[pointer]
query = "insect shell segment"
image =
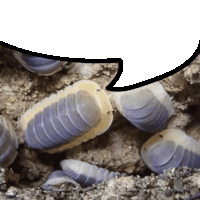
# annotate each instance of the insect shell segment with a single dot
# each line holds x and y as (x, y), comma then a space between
(86, 174)
(39, 65)
(8, 143)
(56, 180)
(66, 119)
(171, 148)
(148, 107)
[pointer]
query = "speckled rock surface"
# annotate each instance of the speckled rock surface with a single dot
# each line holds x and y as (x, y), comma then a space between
(117, 149)
(174, 183)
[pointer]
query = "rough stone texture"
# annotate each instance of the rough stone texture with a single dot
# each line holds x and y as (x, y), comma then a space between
(184, 88)
(150, 187)
(117, 149)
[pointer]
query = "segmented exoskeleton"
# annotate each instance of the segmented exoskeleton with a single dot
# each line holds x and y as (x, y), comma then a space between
(39, 65)
(148, 107)
(66, 119)
(8, 143)
(171, 148)
(86, 174)
(56, 179)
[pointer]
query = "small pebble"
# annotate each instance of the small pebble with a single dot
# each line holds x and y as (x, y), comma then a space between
(194, 191)
(178, 185)
(12, 192)
(173, 170)
(168, 193)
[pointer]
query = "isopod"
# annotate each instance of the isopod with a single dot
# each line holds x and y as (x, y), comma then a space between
(148, 107)
(171, 148)
(56, 179)
(66, 119)
(86, 174)
(39, 65)
(8, 143)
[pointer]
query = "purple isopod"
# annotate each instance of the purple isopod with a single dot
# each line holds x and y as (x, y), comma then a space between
(86, 174)
(171, 148)
(39, 65)
(148, 107)
(56, 179)
(8, 143)
(74, 115)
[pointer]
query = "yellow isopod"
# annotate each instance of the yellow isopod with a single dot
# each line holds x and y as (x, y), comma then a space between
(74, 115)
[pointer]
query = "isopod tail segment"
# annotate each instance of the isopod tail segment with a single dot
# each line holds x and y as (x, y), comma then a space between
(8, 143)
(79, 112)
(148, 107)
(171, 148)
(41, 66)
(56, 179)
(86, 174)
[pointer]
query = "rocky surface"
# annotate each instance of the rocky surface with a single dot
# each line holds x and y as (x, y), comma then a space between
(180, 184)
(117, 149)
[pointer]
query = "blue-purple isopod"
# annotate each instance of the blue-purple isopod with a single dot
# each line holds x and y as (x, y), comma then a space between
(72, 116)
(86, 174)
(171, 148)
(148, 107)
(56, 179)
(8, 143)
(39, 65)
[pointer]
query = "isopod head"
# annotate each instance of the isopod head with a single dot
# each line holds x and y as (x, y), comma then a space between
(39, 65)
(8, 143)
(171, 148)
(148, 107)
(66, 119)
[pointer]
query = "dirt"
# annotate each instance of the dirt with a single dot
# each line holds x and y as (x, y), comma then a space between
(118, 149)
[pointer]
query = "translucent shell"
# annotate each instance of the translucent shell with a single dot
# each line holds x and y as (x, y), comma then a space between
(8, 143)
(148, 107)
(56, 179)
(86, 174)
(39, 65)
(171, 148)
(66, 119)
